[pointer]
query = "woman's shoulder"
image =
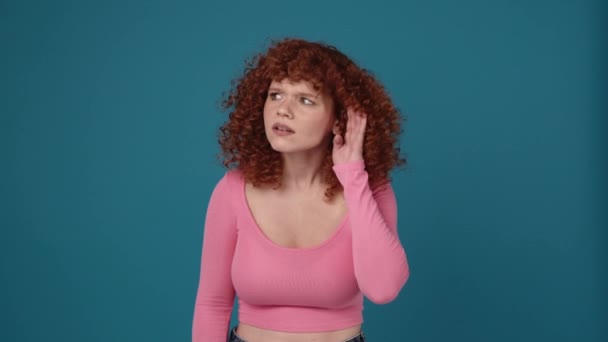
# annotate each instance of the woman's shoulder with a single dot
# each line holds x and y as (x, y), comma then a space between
(232, 178)
(228, 188)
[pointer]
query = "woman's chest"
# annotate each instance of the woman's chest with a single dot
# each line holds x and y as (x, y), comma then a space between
(295, 221)
(294, 250)
(322, 276)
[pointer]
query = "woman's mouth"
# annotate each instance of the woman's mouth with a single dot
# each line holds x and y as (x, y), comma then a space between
(281, 129)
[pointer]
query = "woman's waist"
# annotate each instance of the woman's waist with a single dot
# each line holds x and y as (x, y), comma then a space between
(298, 318)
(252, 333)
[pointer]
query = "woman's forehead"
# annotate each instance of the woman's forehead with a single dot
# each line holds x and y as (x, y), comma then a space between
(302, 87)
(299, 85)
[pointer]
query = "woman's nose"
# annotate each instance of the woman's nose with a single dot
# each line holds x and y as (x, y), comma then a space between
(284, 109)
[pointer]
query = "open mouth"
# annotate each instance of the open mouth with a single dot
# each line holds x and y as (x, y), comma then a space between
(277, 127)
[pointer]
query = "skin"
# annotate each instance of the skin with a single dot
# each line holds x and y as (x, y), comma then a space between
(310, 114)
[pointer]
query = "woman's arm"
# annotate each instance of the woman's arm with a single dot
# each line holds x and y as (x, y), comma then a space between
(215, 296)
(380, 262)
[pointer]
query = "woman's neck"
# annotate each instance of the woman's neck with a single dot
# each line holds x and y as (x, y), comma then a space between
(302, 171)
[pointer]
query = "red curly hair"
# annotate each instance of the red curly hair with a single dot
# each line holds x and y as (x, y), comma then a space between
(243, 139)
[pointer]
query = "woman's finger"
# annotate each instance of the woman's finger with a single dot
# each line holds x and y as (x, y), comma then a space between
(361, 124)
(349, 126)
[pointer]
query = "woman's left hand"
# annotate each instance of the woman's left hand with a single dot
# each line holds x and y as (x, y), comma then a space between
(351, 148)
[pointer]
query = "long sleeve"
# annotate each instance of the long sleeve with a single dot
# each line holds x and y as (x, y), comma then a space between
(380, 262)
(215, 295)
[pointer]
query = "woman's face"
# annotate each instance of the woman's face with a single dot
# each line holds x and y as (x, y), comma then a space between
(296, 117)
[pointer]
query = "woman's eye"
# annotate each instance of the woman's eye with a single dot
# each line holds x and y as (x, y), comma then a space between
(306, 101)
(274, 96)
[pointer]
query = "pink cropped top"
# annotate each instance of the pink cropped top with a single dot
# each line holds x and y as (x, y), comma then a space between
(297, 289)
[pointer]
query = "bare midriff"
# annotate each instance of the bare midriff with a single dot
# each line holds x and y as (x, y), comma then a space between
(254, 334)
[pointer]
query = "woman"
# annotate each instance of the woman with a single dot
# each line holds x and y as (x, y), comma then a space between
(304, 222)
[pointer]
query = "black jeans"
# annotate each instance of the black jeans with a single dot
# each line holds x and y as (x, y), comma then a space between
(232, 337)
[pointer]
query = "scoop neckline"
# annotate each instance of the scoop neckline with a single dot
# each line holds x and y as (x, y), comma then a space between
(258, 231)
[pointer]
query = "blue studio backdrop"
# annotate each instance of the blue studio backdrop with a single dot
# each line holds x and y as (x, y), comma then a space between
(108, 131)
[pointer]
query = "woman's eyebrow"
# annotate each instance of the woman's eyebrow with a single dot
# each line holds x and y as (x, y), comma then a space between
(301, 93)
(308, 95)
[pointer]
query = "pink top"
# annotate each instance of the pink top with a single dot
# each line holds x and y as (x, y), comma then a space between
(298, 289)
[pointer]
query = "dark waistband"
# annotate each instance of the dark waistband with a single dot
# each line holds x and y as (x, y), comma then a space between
(233, 337)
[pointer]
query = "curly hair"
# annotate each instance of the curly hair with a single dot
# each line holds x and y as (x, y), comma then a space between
(243, 139)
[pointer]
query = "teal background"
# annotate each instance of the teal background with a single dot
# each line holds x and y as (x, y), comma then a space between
(108, 135)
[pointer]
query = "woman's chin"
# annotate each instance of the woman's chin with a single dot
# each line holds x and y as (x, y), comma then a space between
(283, 149)
(291, 147)
(282, 146)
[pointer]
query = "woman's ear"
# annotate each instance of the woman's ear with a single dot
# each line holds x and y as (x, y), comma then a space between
(336, 129)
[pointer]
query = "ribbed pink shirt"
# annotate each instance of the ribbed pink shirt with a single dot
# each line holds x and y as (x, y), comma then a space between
(298, 289)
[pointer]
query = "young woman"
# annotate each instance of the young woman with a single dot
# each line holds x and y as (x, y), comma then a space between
(304, 222)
